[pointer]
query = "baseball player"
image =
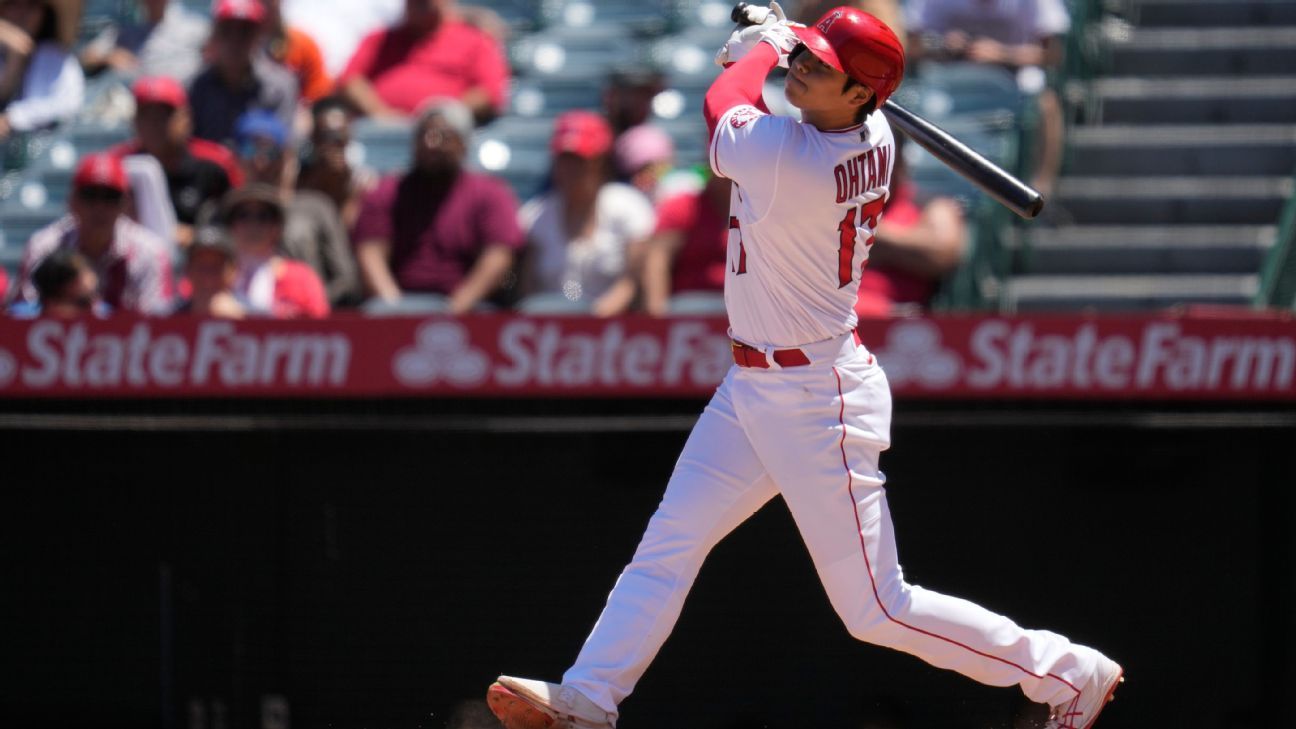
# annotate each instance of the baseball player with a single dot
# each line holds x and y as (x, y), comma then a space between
(806, 410)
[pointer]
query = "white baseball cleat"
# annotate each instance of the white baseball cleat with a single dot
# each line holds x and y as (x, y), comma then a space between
(1082, 711)
(521, 703)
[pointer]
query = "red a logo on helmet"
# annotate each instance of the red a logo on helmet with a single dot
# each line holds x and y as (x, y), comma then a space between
(828, 21)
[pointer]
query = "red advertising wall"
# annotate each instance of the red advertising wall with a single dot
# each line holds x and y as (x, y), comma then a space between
(1184, 357)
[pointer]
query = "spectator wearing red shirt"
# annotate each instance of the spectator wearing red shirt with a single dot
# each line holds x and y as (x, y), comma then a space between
(687, 251)
(431, 54)
(132, 263)
(916, 245)
(197, 171)
(439, 228)
(267, 283)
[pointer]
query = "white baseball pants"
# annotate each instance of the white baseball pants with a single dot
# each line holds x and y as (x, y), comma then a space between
(813, 434)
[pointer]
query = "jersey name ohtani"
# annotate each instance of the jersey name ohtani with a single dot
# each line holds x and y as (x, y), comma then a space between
(860, 174)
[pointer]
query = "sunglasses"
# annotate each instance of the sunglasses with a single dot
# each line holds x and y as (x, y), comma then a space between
(262, 215)
(99, 195)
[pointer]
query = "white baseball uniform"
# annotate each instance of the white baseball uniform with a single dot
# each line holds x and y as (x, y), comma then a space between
(804, 207)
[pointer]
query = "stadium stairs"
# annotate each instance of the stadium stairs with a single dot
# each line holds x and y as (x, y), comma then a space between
(1172, 191)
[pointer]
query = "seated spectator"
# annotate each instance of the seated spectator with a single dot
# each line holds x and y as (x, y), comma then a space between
(267, 283)
(132, 263)
(211, 269)
(628, 95)
(67, 287)
(688, 251)
(239, 77)
(41, 83)
(198, 172)
(313, 232)
(297, 52)
(915, 246)
(584, 233)
(166, 41)
(1023, 37)
(325, 167)
(431, 54)
(439, 228)
(644, 156)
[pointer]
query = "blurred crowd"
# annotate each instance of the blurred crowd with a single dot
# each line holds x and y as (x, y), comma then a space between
(237, 196)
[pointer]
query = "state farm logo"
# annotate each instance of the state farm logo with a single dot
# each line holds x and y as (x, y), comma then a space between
(441, 352)
(8, 368)
(914, 355)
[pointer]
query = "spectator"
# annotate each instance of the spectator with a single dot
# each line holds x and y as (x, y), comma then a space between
(688, 251)
(239, 77)
(268, 284)
(298, 52)
(211, 268)
(325, 167)
(167, 41)
(4, 285)
(431, 54)
(439, 228)
(1023, 37)
(41, 83)
(644, 155)
(584, 232)
(132, 263)
(313, 232)
(915, 246)
(66, 288)
(197, 172)
(628, 96)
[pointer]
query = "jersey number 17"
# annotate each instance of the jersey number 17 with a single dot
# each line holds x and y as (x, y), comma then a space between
(849, 234)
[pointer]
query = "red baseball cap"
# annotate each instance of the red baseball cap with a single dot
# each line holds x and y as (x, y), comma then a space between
(100, 170)
(250, 10)
(582, 133)
(160, 90)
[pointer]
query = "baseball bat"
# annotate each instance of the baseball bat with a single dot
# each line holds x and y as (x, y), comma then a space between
(995, 181)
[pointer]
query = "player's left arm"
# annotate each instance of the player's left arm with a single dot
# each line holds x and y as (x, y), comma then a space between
(741, 84)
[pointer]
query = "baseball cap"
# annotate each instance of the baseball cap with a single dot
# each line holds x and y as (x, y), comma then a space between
(641, 146)
(251, 11)
(100, 170)
(260, 123)
(256, 192)
(212, 238)
(583, 133)
(160, 90)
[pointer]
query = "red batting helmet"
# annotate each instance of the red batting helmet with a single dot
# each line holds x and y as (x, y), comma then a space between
(860, 46)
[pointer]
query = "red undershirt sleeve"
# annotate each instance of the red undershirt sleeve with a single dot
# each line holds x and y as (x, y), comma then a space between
(740, 84)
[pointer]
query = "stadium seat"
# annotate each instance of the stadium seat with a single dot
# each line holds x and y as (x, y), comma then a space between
(641, 16)
(516, 150)
(409, 304)
(383, 145)
(698, 303)
(587, 53)
(549, 97)
(554, 304)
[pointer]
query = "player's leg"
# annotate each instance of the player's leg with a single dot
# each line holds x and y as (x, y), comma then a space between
(717, 484)
(822, 450)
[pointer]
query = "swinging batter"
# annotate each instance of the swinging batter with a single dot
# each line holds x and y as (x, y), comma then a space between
(806, 410)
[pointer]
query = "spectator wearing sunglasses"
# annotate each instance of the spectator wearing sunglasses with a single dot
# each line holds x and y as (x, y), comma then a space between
(67, 286)
(239, 77)
(267, 283)
(131, 262)
(325, 167)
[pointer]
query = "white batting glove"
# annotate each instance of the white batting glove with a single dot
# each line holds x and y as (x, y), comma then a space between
(747, 36)
(780, 36)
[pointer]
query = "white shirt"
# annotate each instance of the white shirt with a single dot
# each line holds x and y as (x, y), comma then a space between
(338, 26)
(803, 211)
(585, 268)
(52, 91)
(1013, 22)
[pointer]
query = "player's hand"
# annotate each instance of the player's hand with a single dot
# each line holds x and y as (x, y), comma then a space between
(987, 50)
(746, 36)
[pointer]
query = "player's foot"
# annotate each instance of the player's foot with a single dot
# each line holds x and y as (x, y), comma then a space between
(521, 703)
(1082, 711)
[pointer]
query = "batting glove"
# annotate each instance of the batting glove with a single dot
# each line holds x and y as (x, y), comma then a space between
(747, 36)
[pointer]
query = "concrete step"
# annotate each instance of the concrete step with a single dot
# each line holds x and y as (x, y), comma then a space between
(1133, 249)
(1241, 149)
(1171, 200)
(1195, 100)
(1214, 13)
(1207, 51)
(1126, 293)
